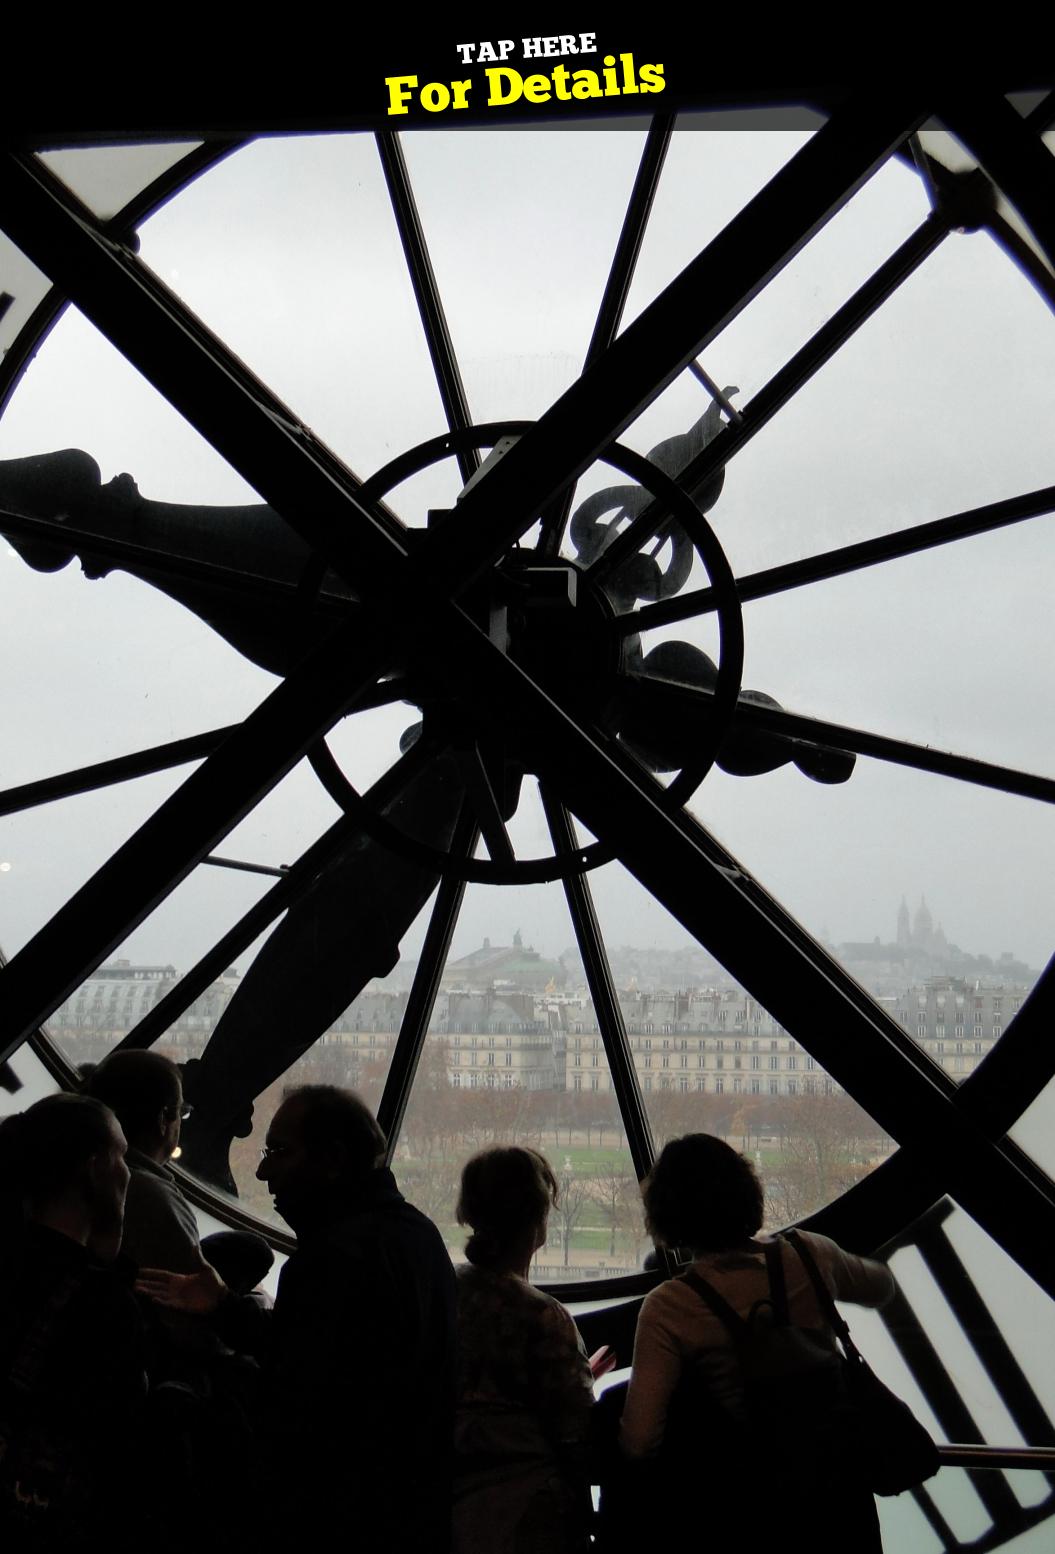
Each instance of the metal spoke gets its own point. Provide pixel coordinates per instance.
(687, 700)
(847, 559)
(616, 291)
(414, 1029)
(261, 437)
(247, 868)
(122, 228)
(606, 1005)
(123, 768)
(426, 290)
(299, 879)
(483, 801)
(715, 392)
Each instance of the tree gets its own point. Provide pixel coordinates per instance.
(615, 1191)
(574, 1196)
(827, 1143)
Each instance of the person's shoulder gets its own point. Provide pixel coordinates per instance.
(391, 1234)
(156, 1183)
(826, 1253)
(848, 1275)
(672, 1294)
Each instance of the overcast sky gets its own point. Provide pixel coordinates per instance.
(944, 401)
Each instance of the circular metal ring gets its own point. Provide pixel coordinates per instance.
(563, 863)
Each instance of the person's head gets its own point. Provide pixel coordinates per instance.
(145, 1093)
(63, 1158)
(322, 1145)
(703, 1195)
(505, 1199)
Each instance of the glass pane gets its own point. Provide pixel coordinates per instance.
(35, 1082)
(920, 378)
(522, 230)
(706, 181)
(916, 648)
(955, 1495)
(354, 1051)
(53, 849)
(890, 889)
(105, 178)
(513, 1057)
(1034, 1131)
(710, 1059)
(289, 251)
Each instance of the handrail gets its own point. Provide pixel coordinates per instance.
(973, 1456)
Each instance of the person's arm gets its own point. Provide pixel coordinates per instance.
(657, 1367)
(849, 1277)
(562, 1376)
(240, 1321)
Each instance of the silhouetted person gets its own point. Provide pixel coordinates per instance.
(202, 1394)
(687, 1409)
(144, 1090)
(525, 1386)
(358, 1353)
(72, 1373)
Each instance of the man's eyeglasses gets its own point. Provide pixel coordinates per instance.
(274, 1151)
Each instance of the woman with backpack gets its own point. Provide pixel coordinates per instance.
(734, 1402)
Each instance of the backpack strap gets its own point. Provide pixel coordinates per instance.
(777, 1286)
(734, 1324)
(823, 1294)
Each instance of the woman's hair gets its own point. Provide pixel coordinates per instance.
(136, 1086)
(43, 1148)
(702, 1194)
(505, 1191)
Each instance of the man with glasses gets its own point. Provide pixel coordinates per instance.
(145, 1093)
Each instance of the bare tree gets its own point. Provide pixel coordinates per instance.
(574, 1196)
(615, 1191)
(827, 1143)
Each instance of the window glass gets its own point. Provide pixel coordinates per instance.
(514, 1056)
(289, 250)
(709, 1058)
(34, 1082)
(890, 892)
(522, 229)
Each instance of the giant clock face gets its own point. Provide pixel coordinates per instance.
(697, 787)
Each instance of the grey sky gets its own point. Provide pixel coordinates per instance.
(941, 403)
